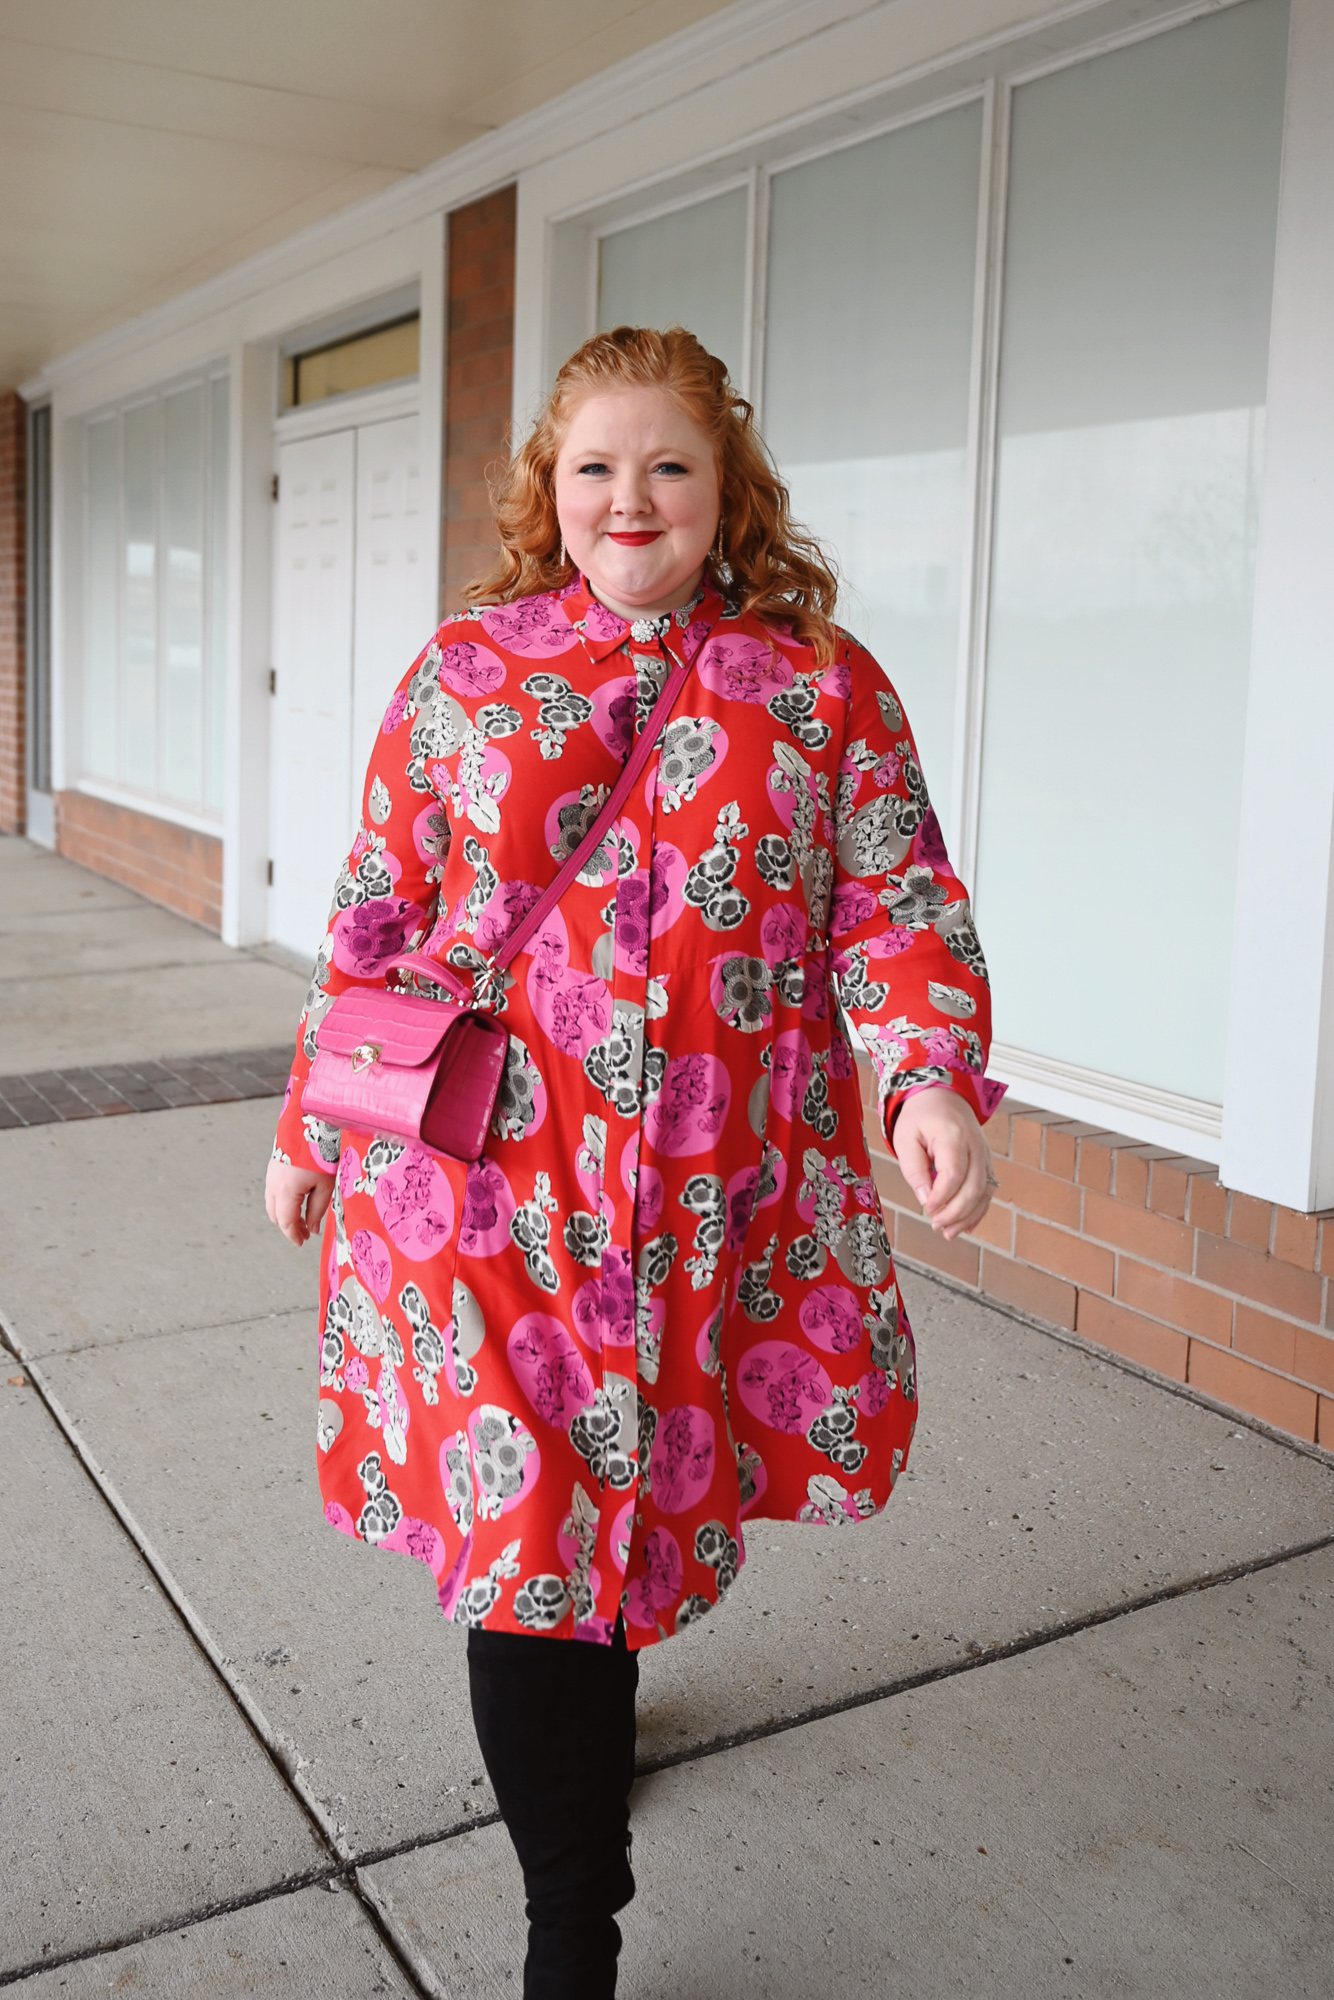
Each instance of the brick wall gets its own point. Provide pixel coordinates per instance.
(13, 590)
(1145, 1253)
(168, 864)
(479, 375)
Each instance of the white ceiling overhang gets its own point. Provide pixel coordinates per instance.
(148, 146)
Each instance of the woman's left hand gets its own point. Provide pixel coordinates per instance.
(945, 1158)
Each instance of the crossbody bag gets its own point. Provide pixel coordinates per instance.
(430, 1070)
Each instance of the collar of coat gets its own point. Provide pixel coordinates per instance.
(602, 631)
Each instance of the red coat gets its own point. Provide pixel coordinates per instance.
(664, 1301)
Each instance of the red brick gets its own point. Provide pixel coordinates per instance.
(1130, 1172)
(888, 1176)
(1039, 1194)
(1243, 1386)
(1026, 1130)
(167, 864)
(1325, 1254)
(1313, 1359)
(1325, 1424)
(1272, 1342)
(918, 1240)
(1154, 1238)
(1132, 1335)
(1296, 1238)
(1068, 1256)
(1163, 1295)
(1036, 1292)
(478, 383)
(1250, 1221)
(1061, 1144)
(997, 1228)
(1266, 1280)
(1169, 1186)
(1206, 1207)
(1095, 1163)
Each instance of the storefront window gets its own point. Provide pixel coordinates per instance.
(1139, 255)
(872, 254)
(155, 638)
(687, 268)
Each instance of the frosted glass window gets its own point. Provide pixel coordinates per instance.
(1143, 194)
(217, 589)
(683, 269)
(102, 601)
(155, 641)
(183, 595)
(138, 719)
(872, 252)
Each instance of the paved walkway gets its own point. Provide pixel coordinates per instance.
(1061, 1722)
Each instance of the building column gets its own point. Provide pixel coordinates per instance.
(479, 374)
(1278, 1102)
(13, 595)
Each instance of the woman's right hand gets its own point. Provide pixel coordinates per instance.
(296, 1199)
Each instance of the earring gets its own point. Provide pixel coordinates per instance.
(722, 569)
(563, 557)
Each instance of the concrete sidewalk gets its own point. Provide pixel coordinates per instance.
(1060, 1722)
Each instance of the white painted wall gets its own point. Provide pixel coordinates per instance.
(1278, 1105)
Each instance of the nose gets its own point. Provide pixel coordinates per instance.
(630, 497)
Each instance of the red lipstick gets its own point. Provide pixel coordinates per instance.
(639, 540)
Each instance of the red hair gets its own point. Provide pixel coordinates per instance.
(778, 572)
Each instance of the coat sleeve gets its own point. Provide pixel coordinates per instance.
(385, 897)
(904, 949)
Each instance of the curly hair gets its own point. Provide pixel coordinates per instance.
(778, 571)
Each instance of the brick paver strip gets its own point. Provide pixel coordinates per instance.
(109, 1090)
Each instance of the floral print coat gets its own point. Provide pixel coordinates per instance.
(663, 1302)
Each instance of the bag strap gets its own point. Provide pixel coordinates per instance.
(640, 752)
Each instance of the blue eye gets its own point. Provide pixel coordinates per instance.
(595, 467)
(670, 465)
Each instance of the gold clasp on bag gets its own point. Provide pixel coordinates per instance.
(368, 1053)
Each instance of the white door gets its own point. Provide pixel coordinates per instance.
(394, 610)
(312, 747)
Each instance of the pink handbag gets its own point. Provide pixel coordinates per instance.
(430, 1070)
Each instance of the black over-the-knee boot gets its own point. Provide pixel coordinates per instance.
(555, 1720)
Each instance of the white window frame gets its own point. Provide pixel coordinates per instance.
(1190, 1125)
(155, 804)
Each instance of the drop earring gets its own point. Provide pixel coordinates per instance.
(563, 557)
(722, 569)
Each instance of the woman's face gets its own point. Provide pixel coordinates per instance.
(637, 494)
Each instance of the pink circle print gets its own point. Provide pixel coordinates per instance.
(783, 1386)
(572, 1009)
(683, 1458)
(549, 1369)
(659, 1581)
(418, 1538)
(831, 1317)
(488, 1209)
(371, 932)
(534, 628)
(467, 669)
(372, 1263)
(690, 1110)
(743, 669)
(789, 1072)
(415, 1204)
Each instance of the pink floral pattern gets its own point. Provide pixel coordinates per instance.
(664, 1300)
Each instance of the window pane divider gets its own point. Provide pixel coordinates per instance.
(980, 479)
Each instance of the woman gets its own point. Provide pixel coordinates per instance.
(664, 1300)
